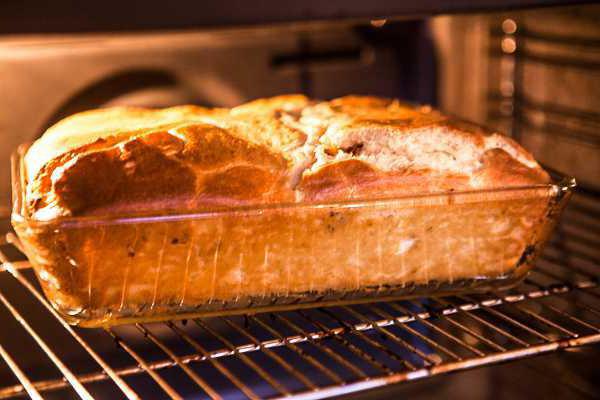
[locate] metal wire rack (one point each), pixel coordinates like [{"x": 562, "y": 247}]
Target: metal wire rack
[{"x": 312, "y": 353}]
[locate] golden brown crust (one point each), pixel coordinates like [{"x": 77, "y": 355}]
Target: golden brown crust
[
  {"x": 354, "y": 179},
  {"x": 372, "y": 147},
  {"x": 283, "y": 103},
  {"x": 188, "y": 167},
  {"x": 267, "y": 151},
  {"x": 120, "y": 122},
  {"x": 502, "y": 169}
]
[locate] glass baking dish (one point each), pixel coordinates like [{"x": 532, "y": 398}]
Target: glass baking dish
[{"x": 99, "y": 271}]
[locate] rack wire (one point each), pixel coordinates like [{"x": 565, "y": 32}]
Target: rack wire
[{"x": 311, "y": 353}]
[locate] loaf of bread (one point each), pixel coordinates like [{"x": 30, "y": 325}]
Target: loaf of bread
[
  {"x": 278, "y": 150},
  {"x": 186, "y": 209}
]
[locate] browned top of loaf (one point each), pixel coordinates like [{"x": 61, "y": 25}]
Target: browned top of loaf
[{"x": 282, "y": 149}]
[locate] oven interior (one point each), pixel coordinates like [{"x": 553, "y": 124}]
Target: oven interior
[{"x": 532, "y": 73}]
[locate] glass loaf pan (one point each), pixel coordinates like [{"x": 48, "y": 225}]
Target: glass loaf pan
[{"x": 99, "y": 271}]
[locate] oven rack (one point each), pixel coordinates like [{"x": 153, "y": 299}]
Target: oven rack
[{"x": 313, "y": 353}]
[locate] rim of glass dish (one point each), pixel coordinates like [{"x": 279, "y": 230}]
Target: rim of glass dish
[{"x": 561, "y": 185}]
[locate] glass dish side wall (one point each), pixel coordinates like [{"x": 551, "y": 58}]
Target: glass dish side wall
[{"x": 106, "y": 271}]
